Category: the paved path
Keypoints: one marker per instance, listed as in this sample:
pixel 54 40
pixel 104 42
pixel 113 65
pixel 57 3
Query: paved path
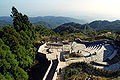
pixel 52 70
pixel 63 65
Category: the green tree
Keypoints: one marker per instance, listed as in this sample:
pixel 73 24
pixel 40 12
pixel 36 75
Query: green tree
pixel 21 22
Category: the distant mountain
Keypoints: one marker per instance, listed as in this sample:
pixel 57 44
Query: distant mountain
pixel 52 22
pixel 89 28
pixel 74 28
pixel 67 29
pixel 77 25
pixel 105 25
pixel 6 18
pixel 72 24
pixel 45 24
pixel 47 20
pixel 5 21
pixel 56 20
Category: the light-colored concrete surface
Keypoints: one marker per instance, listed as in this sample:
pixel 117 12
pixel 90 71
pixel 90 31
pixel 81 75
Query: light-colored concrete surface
pixel 92 52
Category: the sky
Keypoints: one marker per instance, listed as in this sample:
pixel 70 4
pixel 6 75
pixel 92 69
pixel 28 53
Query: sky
pixel 81 9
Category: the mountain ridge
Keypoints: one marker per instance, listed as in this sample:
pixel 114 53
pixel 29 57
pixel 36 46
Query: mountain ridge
pixel 55 20
pixel 52 22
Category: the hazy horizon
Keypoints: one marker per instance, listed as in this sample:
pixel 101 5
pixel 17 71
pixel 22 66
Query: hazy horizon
pixel 80 9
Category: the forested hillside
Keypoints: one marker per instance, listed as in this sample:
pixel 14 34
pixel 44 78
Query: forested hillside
pixel 105 25
pixel 45 24
pixel 72 27
pixel 17 52
pixel 52 22
pixel 16 48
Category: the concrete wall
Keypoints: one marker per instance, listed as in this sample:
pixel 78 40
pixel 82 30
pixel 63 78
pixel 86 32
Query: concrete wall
pixel 45 76
pixel 66 47
pixel 41 48
pixel 57 70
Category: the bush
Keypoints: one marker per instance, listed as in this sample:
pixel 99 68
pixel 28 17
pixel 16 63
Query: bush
pixel 82 68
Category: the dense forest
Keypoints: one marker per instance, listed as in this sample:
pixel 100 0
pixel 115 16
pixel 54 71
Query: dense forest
pixel 17 47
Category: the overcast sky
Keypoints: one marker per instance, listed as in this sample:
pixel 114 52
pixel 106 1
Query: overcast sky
pixel 82 9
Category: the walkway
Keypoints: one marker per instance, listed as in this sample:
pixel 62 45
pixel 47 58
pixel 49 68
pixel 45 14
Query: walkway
pixel 52 70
